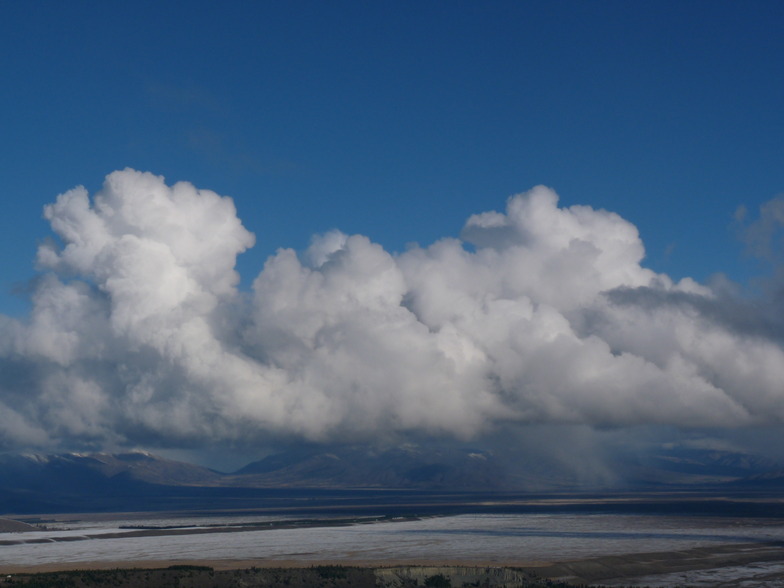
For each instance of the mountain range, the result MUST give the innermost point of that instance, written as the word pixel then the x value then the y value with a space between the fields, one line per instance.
pixel 97 481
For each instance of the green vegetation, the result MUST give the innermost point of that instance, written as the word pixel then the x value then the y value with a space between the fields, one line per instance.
pixel 438 581
pixel 331 572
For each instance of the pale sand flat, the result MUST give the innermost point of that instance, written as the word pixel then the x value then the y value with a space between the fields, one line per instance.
pixel 586 570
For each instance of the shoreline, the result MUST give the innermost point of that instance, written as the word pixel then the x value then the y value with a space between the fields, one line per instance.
pixel 232 564
pixel 581 571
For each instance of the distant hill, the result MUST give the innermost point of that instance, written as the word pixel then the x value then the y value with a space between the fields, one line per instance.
pixel 767 480
pixel 98 481
pixel 406 466
pixel 77 472
pixel 75 482
pixel 11 526
pixel 679 466
pixel 142 481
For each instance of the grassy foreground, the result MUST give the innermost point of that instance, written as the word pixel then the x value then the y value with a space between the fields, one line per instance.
pixel 313 577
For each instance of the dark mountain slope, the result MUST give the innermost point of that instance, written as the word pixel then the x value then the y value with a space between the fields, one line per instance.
pixel 406 466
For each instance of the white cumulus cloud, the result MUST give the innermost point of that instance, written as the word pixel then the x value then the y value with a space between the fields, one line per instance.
pixel 537 314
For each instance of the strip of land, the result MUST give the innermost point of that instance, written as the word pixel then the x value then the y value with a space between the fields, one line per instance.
pixel 629 566
pixel 585 571
pixel 12 526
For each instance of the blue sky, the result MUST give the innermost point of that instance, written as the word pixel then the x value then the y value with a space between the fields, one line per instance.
pixel 398 120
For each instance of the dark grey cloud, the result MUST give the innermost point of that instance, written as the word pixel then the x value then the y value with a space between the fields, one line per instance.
pixel 758 318
pixel 763 235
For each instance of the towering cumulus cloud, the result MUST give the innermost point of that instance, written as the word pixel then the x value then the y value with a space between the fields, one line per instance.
pixel 139 335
